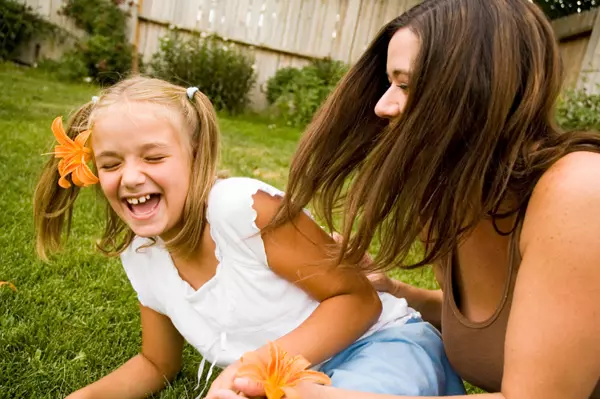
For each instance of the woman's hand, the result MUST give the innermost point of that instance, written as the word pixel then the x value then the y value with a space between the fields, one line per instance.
pixel 384 283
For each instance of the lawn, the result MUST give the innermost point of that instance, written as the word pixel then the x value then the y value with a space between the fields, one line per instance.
pixel 75 319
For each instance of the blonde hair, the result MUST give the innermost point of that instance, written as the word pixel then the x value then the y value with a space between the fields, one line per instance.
pixel 53 205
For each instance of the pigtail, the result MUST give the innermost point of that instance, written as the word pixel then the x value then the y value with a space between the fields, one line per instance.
pixel 52 204
pixel 205 155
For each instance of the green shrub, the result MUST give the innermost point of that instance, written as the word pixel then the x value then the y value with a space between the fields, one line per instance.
pixel 279 83
pixel 296 93
pixel 578 109
pixel 221 70
pixel 104 54
pixel 19 24
pixel 97 17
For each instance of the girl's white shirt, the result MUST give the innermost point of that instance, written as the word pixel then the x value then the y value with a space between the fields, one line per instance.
pixel 245 304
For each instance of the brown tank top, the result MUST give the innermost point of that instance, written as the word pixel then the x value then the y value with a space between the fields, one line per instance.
pixel 476 350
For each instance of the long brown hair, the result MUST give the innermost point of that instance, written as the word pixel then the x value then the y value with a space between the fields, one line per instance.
pixel 477 132
pixel 53 206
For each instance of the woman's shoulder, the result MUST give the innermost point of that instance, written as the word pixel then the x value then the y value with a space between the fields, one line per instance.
pixel 576 175
pixel 567 195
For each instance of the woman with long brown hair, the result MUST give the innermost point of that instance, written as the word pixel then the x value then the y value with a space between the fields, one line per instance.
pixel 443 132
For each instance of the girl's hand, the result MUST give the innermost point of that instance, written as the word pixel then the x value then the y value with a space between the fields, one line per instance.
pixel 225 380
pixel 241 388
pixel 225 394
pixel 77 395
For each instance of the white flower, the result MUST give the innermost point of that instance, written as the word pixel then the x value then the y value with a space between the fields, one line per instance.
pixel 87 79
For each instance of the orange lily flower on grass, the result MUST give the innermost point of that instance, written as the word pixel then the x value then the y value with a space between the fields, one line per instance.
pixel 75 156
pixel 280 374
pixel 10 285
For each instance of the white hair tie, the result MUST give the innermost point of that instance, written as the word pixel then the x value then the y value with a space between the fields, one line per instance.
pixel 191 91
pixel 94 99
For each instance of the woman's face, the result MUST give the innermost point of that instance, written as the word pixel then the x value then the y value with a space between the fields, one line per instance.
pixel 402 51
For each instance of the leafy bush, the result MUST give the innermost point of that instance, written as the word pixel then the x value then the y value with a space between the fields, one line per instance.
pixel 105 54
pixel 19 23
pixel 296 93
pixel 221 70
pixel 97 17
pixel 578 109
pixel 278 84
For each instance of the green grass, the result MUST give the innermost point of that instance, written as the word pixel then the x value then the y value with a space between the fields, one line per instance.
pixel 75 319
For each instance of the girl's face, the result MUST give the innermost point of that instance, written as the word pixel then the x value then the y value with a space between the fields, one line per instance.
pixel 144 165
pixel 402 52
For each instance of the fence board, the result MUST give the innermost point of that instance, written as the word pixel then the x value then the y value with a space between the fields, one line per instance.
pixel 268 21
pixel 281 15
pixel 328 29
pixel 349 11
pixel 301 43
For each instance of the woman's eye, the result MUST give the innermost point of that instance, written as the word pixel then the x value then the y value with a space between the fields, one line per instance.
pixel 403 86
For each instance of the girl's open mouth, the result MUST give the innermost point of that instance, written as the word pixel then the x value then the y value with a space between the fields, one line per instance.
pixel 143 206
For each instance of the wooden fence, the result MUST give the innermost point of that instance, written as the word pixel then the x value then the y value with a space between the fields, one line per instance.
pixel 292 32
pixel 578 36
pixel 281 32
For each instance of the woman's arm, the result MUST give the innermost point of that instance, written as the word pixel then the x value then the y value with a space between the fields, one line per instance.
pixel 147 372
pixel 348 303
pixel 553 338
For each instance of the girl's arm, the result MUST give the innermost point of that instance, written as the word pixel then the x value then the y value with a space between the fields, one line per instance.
pixel 147 372
pixel 301 254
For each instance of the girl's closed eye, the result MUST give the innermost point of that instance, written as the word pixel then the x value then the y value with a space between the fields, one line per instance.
pixel 109 166
pixel 155 158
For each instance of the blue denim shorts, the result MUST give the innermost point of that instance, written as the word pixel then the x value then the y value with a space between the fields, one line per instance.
pixel 401 360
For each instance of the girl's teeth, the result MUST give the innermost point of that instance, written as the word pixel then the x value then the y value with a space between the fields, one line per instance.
pixel 140 200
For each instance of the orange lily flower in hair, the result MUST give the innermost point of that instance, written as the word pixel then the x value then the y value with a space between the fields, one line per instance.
pixel 280 374
pixel 75 156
